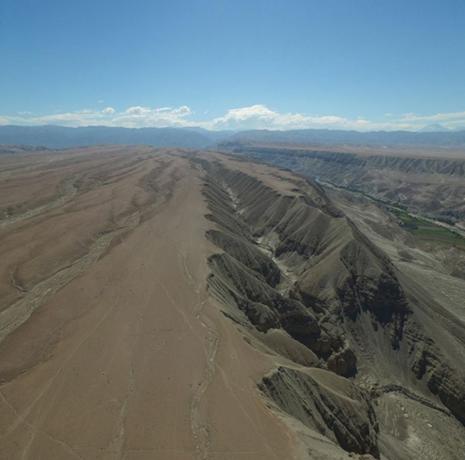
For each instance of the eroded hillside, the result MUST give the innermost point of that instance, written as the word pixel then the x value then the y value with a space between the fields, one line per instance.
pixel 318 292
pixel 431 183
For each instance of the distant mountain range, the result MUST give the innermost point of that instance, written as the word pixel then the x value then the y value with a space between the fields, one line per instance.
pixel 378 138
pixel 434 128
pixel 64 137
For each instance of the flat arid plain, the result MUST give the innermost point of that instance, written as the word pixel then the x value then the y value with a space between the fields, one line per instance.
pixel 180 304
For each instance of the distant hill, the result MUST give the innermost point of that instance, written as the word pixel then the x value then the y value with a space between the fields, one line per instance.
pixel 64 137
pixel 380 138
pixel 435 128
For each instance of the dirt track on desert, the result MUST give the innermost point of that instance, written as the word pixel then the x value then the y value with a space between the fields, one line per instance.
pixel 111 346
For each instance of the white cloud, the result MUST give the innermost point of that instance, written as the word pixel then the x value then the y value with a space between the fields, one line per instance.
pixel 438 117
pixel 256 116
pixel 132 117
pixel 262 117
pixel 137 110
pixel 108 111
pixel 139 117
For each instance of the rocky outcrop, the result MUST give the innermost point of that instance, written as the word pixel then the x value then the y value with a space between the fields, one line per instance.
pixel 264 306
pixel 247 254
pixel 431 366
pixel 343 363
pixel 329 404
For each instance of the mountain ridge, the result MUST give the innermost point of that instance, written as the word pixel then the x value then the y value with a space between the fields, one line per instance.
pixel 53 136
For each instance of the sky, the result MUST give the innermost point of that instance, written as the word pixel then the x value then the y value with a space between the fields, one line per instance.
pixel 238 64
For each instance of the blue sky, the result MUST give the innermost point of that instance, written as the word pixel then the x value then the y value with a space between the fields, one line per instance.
pixel 355 64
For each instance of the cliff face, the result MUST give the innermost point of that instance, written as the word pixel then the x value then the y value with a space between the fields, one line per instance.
pixel 428 165
pixel 432 186
pixel 291 261
pixel 344 415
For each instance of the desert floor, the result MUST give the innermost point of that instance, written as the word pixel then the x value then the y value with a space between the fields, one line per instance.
pixel 111 347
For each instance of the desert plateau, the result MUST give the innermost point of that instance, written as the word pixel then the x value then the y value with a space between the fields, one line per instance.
pixel 189 304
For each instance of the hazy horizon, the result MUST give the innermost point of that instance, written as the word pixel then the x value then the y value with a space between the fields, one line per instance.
pixel 434 128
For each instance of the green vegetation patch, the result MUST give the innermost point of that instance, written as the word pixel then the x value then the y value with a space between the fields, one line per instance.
pixel 427 231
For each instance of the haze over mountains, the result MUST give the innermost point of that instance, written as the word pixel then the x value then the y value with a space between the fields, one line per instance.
pixel 65 137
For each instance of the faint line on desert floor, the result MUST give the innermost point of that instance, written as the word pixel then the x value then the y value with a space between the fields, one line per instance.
pixel 35 429
pixel 22 417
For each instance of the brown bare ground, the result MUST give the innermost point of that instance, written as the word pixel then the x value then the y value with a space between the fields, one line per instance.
pixel 110 346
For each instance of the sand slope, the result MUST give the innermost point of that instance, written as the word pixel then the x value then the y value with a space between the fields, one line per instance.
pixel 128 357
